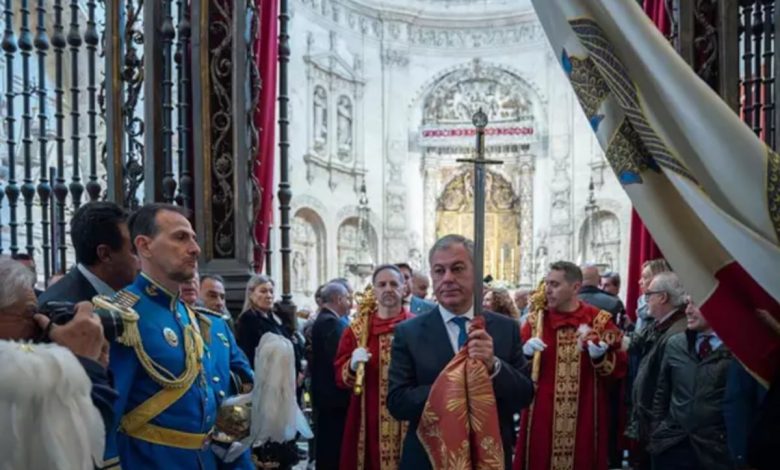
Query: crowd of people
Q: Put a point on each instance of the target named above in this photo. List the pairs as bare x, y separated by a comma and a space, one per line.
577, 382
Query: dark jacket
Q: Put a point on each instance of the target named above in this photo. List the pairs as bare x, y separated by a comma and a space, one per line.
73, 287
329, 402
251, 326
422, 349
601, 299
688, 402
325, 337
741, 404
103, 394
650, 346
765, 437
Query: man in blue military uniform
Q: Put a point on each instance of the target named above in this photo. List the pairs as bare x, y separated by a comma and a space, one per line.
232, 373
167, 400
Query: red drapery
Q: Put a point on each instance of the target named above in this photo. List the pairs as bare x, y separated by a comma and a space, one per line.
642, 246
266, 49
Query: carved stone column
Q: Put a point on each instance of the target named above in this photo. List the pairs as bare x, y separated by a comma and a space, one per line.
394, 65
525, 193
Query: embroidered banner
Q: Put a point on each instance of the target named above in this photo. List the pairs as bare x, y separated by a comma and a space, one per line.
459, 425
706, 187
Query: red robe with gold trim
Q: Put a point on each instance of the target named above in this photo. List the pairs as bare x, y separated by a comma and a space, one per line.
372, 438
569, 416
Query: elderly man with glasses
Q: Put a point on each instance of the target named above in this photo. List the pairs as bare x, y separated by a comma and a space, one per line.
666, 301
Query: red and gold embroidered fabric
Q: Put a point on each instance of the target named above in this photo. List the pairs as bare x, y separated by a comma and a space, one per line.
459, 426
566, 426
567, 387
372, 438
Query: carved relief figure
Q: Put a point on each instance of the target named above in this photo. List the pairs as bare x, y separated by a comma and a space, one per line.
460, 94
600, 239
344, 128
300, 272
307, 244
320, 118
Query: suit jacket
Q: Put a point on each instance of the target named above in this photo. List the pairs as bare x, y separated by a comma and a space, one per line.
325, 337
73, 287
421, 349
601, 299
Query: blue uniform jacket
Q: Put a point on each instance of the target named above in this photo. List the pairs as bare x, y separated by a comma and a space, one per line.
230, 369
161, 326
420, 306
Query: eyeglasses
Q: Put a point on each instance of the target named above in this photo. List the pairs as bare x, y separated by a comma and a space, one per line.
651, 292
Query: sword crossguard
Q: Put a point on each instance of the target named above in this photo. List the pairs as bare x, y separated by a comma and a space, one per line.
480, 161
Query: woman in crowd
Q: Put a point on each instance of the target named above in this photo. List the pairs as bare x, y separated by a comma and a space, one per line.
257, 317
499, 300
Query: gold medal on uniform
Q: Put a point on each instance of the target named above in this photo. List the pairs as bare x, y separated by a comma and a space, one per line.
171, 337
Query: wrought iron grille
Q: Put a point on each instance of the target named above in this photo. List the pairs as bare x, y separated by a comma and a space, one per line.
758, 67
98, 104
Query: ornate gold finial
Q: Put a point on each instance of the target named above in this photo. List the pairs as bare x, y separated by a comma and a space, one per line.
538, 298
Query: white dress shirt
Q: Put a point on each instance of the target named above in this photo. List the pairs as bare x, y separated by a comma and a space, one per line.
98, 284
453, 330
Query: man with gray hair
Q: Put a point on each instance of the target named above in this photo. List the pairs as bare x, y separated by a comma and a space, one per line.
63, 380
423, 346
666, 301
329, 402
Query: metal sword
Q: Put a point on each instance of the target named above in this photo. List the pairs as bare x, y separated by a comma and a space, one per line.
480, 121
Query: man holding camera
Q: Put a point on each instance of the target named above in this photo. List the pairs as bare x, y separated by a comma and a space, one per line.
167, 401
82, 336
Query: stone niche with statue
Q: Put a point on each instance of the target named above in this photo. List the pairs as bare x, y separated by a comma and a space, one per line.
447, 135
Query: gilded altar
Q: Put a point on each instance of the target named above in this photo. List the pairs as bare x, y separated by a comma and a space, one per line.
455, 214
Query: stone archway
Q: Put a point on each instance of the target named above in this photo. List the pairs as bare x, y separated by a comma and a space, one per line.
455, 214
349, 251
515, 135
308, 251
600, 241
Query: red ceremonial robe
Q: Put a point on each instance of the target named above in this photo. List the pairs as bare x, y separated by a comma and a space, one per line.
569, 416
372, 438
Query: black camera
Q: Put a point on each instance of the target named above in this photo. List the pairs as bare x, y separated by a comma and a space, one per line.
61, 313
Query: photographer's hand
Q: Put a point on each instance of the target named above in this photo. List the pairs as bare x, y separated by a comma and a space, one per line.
83, 335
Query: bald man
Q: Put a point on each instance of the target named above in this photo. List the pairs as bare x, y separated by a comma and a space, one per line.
591, 293
418, 305
420, 284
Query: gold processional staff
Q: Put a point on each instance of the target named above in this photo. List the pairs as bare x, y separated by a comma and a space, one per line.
366, 307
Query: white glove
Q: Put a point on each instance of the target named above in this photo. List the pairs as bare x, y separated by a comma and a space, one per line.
597, 350
533, 345
358, 355
229, 454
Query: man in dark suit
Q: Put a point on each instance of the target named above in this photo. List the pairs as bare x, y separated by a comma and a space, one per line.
329, 402
105, 262
423, 346
590, 293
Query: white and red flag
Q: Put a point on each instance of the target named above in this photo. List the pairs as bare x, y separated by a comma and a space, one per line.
706, 187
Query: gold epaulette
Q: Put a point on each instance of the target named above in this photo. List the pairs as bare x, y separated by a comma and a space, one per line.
125, 298
122, 303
